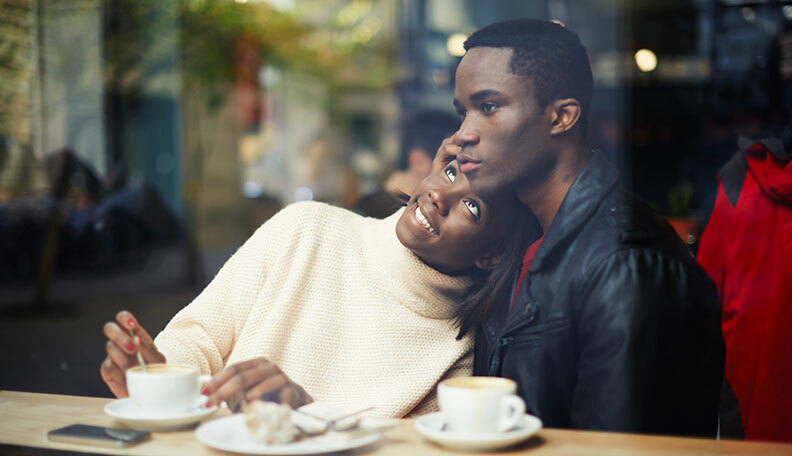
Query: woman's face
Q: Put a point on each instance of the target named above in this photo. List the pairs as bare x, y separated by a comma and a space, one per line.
450, 228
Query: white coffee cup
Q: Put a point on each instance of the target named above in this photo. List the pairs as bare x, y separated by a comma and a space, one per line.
480, 404
165, 389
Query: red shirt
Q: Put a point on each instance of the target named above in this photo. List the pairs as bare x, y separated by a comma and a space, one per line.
530, 253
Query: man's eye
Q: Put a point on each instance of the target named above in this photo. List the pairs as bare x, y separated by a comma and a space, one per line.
488, 107
472, 207
451, 173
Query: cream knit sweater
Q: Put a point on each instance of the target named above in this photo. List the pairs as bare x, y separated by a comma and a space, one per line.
338, 303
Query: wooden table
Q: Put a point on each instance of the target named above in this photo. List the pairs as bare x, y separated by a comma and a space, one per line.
25, 419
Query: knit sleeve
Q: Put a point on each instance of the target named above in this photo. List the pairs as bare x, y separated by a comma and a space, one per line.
204, 332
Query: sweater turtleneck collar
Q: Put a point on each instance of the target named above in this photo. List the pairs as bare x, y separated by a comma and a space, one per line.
412, 282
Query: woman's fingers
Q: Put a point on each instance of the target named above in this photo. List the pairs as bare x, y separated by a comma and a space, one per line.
120, 358
243, 376
445, 154
127, 321
119, 337
273, 383
114, 377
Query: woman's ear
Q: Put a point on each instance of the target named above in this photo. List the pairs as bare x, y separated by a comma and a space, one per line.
489, 261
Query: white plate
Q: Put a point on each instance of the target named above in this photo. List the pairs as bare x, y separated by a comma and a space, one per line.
431, 427
126, 411
230, 434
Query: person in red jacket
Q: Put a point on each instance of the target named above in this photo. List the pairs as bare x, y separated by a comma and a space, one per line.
747, 250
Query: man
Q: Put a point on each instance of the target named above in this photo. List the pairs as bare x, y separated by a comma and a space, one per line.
611, 324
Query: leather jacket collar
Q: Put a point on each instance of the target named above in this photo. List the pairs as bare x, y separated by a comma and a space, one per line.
584, 196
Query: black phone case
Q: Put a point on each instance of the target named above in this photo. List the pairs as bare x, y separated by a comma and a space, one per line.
97, 435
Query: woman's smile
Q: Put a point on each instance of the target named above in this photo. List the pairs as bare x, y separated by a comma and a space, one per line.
422, 219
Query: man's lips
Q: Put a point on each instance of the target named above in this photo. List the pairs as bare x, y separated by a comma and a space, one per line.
467, 163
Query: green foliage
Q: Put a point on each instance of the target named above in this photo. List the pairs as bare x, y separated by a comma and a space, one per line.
216, 35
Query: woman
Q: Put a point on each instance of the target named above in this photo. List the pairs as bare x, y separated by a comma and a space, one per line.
321, 303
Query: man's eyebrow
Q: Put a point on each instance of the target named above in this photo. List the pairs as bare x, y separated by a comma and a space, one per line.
482, 94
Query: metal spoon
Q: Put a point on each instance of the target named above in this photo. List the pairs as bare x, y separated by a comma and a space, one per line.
137, 346
330, 423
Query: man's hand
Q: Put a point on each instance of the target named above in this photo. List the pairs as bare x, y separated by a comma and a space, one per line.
446, 153
122, 351
259, 379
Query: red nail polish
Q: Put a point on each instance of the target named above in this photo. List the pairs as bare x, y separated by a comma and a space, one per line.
131, 323
208, 403
131, 347
205, 391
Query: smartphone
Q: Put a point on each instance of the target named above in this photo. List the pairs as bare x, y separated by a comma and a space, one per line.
98, 435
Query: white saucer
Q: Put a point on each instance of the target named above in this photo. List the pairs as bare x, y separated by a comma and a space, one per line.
431, 427
126, 411
231, 434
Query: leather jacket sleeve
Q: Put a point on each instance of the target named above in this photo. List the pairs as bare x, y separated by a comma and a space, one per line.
636, 308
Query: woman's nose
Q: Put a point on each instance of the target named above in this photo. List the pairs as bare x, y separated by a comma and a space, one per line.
442, 199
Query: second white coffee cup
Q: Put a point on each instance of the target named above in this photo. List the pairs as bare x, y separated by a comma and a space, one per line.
165, 389
480, 404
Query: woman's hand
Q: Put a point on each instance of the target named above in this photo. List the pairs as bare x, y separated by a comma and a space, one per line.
446, 153
258, 379
122, 349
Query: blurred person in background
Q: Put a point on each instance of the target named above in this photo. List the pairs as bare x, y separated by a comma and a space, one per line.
324, 304
421, 135
611, 324
747, 250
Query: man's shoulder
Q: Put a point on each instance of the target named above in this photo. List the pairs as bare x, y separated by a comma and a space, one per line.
625, 225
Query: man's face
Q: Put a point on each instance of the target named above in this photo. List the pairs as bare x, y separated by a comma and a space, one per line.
504, 135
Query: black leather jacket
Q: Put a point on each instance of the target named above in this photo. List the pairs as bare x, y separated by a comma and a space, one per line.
615, 326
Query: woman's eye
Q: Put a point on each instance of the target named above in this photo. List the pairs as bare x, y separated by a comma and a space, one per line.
472, 207
451, 173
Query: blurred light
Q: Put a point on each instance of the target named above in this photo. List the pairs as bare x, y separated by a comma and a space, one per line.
281, 5
303, 194
646, 60
353, 12
252, 189
456, 44
441, 77
556, 21
787, 11
749, 14
241, 1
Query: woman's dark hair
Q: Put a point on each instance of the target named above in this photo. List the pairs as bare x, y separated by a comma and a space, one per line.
492, 286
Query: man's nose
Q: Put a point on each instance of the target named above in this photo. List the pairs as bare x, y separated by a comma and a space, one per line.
468, 134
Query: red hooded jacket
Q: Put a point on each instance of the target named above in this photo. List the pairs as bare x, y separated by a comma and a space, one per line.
747, 250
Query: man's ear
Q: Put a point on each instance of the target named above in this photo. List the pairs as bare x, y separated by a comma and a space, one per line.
564, 114
488, 261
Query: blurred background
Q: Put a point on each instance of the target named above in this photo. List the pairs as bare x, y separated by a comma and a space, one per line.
142, 141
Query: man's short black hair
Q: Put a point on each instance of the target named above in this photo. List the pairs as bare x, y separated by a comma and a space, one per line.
548, 53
